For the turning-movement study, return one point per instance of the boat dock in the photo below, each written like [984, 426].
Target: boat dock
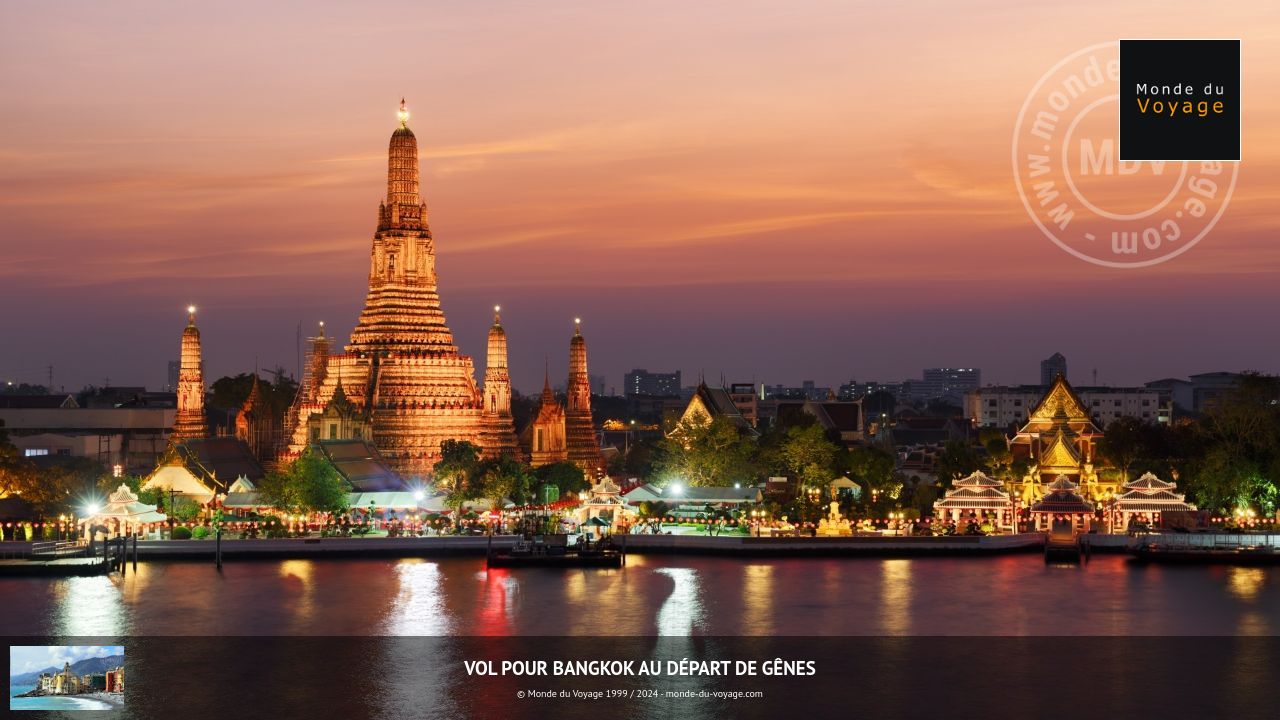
[63, 559]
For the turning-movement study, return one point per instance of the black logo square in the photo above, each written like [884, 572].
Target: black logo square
[1179, 100]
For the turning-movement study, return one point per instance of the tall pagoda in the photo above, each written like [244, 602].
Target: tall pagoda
[401, 369]
[190, 422]
[580, 432]
[498, 432]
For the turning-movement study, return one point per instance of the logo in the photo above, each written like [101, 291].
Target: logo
[1082, 196]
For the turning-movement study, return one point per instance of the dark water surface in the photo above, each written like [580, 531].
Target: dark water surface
[672, 596]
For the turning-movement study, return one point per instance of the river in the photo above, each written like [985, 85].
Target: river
[653, 595]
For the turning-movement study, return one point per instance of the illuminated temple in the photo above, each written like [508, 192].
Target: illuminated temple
[1059, 439]
[190, 422]
[401, 373]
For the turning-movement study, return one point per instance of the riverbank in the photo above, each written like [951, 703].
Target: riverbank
[728, 546]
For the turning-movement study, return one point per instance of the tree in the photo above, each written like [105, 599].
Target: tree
[308, 484]
[504, 477]
[567, 477]
[873, 467]
[809, 455]
[1241, 456]
[957, 459]
[457, 473]
[53, 489]
[705, 452]
[1123, 443]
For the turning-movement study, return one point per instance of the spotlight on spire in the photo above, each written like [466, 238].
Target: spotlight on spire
[577, 321]
[191, 309]
[403, 114]
[497, 308]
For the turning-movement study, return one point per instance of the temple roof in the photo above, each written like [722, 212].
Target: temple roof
[360, 465]
[978, 479]
[1149, 482]
[1061, 398]
[1062, 502]
[1061, 497]
[1061, 452]
[216, 461]
[977, 491]
[549, 408]
[1062, 483]
[716, 402]
[255, 396]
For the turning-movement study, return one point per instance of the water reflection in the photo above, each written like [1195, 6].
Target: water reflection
[757, 599]
[1246, 582]
[682, 610]
[895, 597]
[690, 597]
[89, 606]
[497, 603]
[418, 608]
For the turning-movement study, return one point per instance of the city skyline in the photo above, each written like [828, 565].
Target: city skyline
[774, 229]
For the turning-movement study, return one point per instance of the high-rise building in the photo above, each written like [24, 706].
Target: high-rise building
[654, 384]
[190, 421]
[175, 366]
[1051, 367]
[949, 383]
[808, 390]
[599, 385]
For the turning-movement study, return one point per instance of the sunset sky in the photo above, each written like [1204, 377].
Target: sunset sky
[775, 191]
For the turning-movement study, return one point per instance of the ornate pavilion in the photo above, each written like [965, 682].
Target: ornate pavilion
[1059, 439]
[1062, 504]
[1145, 500]
[977, 496]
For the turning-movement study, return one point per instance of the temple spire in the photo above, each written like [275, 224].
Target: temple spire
[189, 422]
[580, 435]
[403, 200]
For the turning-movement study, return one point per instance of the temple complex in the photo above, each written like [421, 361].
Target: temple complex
[190, 422]
[1059, 439]
[580, 432]
[401, 371]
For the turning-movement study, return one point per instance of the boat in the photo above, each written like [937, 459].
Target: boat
[557, 551]
[1226, 549]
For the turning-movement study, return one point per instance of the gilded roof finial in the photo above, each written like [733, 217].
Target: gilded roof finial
[577, 326]
[403, 114]
[191, 314]
[497, 319]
